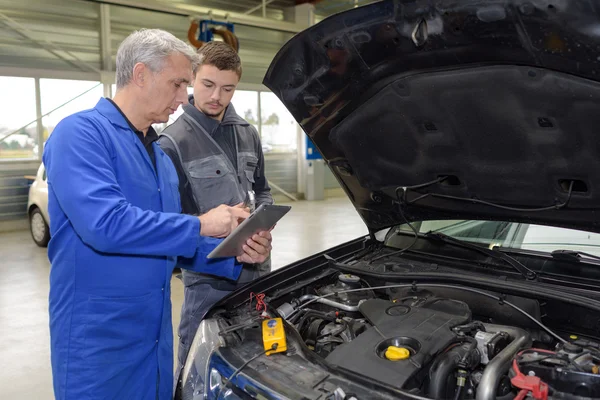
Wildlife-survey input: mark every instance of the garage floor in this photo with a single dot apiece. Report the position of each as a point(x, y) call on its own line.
point(24, 338)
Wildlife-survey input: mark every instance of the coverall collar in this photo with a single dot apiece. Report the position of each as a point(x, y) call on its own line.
point(229, 118)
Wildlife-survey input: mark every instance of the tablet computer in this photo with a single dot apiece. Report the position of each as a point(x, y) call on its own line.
point(263, 219)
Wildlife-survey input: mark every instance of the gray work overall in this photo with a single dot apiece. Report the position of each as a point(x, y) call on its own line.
point(214, 181)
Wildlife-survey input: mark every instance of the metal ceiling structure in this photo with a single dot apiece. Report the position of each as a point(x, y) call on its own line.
point(78, 40)
point(270, 9)
point(325, 8)
point(274, 19)
point(81, 37)
point(275, 8)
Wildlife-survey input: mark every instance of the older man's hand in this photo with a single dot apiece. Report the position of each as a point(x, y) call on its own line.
point(257, 249)
point(221, 221)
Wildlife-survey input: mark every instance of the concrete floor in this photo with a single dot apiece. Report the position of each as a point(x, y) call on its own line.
point(24, 338)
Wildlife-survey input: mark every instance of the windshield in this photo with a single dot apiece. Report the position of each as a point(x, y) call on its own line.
point(513, 235)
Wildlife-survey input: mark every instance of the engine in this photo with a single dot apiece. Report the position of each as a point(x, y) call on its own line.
point(433, 346)
point(569, 370)
point(401, 339)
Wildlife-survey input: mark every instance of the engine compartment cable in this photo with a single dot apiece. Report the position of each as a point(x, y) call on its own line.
point(411, 285)
point(478, 201)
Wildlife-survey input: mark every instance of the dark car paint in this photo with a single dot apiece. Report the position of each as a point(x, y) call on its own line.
point(499, 96)
point(324, 88)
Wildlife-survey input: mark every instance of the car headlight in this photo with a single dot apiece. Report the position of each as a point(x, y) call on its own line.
point(195, 370)
point(217, 388)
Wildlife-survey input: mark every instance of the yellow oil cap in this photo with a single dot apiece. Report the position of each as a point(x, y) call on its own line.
point(394, 353)
point(573, 337)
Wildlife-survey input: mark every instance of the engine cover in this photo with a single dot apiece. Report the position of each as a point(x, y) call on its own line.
point(424, 331)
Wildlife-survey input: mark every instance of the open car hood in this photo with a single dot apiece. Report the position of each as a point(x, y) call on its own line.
point(496, 101)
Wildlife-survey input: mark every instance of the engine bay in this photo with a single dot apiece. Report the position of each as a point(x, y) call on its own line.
point(436, 341)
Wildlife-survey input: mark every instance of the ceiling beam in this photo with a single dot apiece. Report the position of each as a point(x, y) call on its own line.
point(263, 5)
point(298, 2)
point(198, 12)
point(47, 45)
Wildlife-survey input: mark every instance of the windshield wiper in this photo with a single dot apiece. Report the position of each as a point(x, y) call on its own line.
point(572, 255)
point(516, 264)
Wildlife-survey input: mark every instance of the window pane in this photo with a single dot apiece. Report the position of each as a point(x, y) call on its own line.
point(56, 92)
point(17, 109)
point(507, 235)
point(245, 103)
point(278, 126)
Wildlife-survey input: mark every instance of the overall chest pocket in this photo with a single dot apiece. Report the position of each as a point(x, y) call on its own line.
point(249, 163)
point(213, 182)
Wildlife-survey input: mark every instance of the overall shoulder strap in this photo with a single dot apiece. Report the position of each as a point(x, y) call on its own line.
point(212, 140)
point(185, 171)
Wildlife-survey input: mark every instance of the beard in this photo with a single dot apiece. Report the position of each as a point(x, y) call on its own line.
point(212, 115)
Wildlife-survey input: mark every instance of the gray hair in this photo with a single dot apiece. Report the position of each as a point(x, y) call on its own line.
point(150, 47)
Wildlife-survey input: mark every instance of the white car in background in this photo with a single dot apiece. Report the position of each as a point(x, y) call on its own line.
point(37, 209)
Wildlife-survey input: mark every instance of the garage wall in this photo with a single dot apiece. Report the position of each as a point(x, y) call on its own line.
point(281, 170)
point(14, 189)
point(330, 181)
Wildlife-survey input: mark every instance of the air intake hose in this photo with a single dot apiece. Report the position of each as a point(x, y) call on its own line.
point(442, 381)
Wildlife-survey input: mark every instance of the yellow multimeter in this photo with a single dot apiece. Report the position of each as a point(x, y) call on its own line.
point(274, 334)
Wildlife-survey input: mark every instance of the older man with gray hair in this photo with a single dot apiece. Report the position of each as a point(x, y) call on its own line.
point(117, 230)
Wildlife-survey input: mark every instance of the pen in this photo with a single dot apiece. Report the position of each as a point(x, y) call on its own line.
point(250, 201)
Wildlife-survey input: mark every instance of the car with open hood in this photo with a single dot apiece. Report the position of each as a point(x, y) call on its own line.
point(464, 133)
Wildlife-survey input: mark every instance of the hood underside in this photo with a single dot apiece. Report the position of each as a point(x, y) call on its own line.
point(454, 109)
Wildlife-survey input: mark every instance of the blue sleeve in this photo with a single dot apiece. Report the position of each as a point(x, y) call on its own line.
point(82, 177)
point(228, 267)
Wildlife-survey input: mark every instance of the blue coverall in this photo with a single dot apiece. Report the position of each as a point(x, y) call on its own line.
point(116, 233)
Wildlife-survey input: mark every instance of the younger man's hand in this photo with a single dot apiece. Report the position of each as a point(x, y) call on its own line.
point(257, 249)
